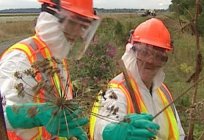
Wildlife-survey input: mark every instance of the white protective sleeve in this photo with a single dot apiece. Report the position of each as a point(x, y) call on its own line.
point(9, 64)
point(106, 111)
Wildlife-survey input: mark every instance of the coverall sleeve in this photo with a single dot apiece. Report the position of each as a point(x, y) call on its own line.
point(10, 63)
point(107, 106)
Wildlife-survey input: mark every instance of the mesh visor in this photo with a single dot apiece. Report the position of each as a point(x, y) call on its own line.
point(79, 31)
point(151, 54)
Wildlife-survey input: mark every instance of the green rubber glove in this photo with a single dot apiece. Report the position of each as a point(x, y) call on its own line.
point(63, 123)
point(137, 127)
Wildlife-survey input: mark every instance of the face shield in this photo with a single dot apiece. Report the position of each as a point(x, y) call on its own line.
point(79, 31)
point(150, 59)
point(150, 54)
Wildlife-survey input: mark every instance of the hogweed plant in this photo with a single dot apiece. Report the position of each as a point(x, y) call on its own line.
point(41, 79)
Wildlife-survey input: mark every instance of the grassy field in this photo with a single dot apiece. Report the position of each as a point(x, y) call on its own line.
point(113, 32)
point(16, 25)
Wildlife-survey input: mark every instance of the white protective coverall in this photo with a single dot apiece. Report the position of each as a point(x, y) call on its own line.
point(48, 29)
point(152, 102)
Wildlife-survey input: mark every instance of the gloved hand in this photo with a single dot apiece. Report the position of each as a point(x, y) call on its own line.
point(138, 127)
point(63, 123)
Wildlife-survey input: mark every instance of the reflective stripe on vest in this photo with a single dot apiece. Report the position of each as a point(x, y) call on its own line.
point(119, 82)
point(92, 123)
point(164, 94)
point(173, 126)
point(35, 50)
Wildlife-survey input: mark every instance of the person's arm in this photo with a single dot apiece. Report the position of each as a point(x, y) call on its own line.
point(136, 128)
point(64, 123)
point(107, 103)
point(17, 61)
point(10, 63)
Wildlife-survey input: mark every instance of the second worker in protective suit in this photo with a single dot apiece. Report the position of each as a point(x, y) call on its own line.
point(144, 59)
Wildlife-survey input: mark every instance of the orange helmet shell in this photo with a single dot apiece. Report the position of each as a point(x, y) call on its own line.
point(153, 32)
point(81, 7)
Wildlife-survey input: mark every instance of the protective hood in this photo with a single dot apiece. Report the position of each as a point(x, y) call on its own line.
point(130, 62)
point(49, 31)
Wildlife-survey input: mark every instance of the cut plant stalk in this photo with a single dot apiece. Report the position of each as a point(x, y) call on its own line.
point(130, 88)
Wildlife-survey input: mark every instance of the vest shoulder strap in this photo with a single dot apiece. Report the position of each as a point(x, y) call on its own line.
point(29, 47)
point(33, 47)
point(168, 97)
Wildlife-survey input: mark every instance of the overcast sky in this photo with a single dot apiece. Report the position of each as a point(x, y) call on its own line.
point(108, 4)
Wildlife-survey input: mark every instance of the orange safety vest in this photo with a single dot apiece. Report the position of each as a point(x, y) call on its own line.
point(36, 49)
point(163, 92)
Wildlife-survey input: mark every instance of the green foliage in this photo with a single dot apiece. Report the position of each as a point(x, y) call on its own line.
point(198, 131)
point(182, 6)
point(119, 31)
point(201, 23)
point(185, 101)
point(97, 65)
point(185, 68)
point(112, 28)
point(187, 9)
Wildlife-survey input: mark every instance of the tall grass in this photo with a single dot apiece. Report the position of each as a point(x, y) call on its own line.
point(12, 28)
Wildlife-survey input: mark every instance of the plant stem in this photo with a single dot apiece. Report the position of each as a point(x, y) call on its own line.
point(197, 71)
point(182, 94)
point(202, 136)
point(130, 88)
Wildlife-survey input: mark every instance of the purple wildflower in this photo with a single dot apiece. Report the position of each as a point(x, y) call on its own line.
point(110, 50)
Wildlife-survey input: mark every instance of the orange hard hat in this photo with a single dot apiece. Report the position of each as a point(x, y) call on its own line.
point(81, 7)
point(153, 32)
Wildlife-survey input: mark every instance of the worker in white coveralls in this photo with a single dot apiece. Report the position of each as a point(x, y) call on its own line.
point(60, 24)
point(144, 58)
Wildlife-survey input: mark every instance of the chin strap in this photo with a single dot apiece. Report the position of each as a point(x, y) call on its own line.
point(46, 8)
point(58, 5)
point(53, 10)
